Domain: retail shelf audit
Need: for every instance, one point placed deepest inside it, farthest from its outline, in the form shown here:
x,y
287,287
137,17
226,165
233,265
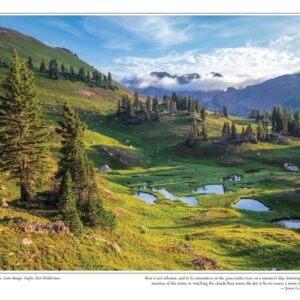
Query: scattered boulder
x,y
205,263
3,188
290,167
24,241
105,169
116,247
4,203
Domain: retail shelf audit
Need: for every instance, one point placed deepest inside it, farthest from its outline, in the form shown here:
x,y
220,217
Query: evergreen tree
x,y
62,69
109,79
30,63
43,66
53,69
190,105
203,113
155,109
22,134
136,102
225,112
296,127
260,132
72,73
95,214
243,133
233,132
75,161
129,111
277,120
73,158
68,206
173,106
194,133
225,132
204,132
119,109
149,105
81,74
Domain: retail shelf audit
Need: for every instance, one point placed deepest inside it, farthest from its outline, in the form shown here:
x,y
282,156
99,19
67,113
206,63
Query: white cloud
x,y
239,66
156,30
165,31
287,43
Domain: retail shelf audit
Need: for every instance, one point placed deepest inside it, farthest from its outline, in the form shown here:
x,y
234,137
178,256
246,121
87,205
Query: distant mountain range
x,y
283,90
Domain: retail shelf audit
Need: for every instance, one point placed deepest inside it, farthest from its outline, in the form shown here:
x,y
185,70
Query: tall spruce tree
x,y
81,74
203,113
22,133
75,161
73,158
43,66
68,206
30,63
260,132
204,132
53,69
155,109
109,79
233,132
136,102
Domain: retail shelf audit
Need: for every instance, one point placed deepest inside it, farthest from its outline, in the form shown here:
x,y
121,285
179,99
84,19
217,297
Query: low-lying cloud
x,y
239,66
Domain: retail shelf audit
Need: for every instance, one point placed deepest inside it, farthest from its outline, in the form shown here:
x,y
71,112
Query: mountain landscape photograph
x,y
149,142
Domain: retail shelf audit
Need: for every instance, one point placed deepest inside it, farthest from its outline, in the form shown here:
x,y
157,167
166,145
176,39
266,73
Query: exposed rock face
x,y
53,227
23,225
290,167
205,263
15,220
105,169
24,241
121,156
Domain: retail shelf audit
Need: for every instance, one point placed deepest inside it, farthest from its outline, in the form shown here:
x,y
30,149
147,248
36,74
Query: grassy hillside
x,y
27,46
170,235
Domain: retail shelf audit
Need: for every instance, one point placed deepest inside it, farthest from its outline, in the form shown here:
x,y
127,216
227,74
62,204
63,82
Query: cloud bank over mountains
x,y
239,66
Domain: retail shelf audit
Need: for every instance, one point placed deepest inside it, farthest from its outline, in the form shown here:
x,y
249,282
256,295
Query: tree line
x,y
137,111
182,103
283,122
198,131
94,78
23,153
55,71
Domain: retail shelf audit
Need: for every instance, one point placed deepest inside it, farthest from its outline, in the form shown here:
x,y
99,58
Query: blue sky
x,y
244,49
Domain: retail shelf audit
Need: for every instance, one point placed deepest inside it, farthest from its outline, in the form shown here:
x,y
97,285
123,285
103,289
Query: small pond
x,y
251,204
211,189
165,193
148,198
189,200
289,223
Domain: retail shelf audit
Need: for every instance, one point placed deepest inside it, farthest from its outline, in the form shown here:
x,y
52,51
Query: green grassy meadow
x,y
170,234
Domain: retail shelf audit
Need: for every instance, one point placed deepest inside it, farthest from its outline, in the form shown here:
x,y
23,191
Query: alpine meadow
x,y
128,158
